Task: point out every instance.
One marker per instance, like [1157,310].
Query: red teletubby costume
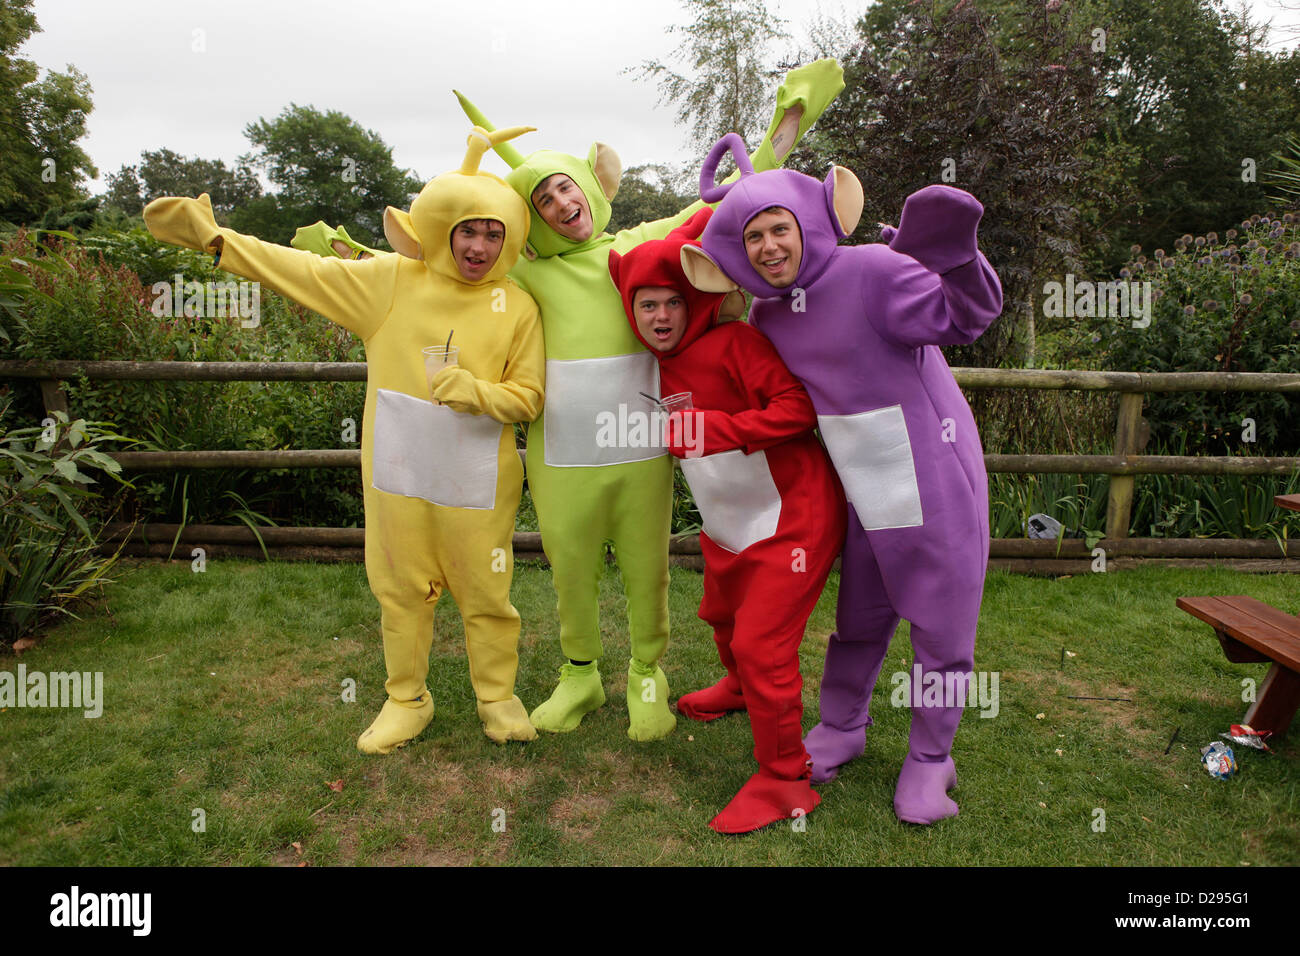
[773,513]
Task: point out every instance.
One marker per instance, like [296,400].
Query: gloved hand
[456,388]
[685,433]
[183,222]
[938,228]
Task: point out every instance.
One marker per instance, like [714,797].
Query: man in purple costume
[860,326]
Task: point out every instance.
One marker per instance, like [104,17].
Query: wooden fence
[1035,556]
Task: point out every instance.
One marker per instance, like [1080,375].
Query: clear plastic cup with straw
[674,404]
[437,358]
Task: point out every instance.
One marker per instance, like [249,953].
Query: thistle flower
[1246,298]
[1189,310]
[1211,237]
[1134,249]
[1124,273]
[1289,218]
[1200,241]
[1168,262]
[1231,234]
[1209,305]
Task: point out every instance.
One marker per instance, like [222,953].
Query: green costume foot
[647,702]
[577,695]
[398,723]
[506,720]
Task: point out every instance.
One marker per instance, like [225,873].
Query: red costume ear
[614,260]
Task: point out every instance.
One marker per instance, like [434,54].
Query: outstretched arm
[932,285]
[356,295]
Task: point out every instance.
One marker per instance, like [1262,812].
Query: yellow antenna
[480,141]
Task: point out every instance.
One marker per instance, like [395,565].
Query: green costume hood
[597,176]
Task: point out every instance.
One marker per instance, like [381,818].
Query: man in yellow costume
[441,477]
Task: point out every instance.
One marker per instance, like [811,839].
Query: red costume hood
[658,263]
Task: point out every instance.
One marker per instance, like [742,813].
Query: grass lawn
[223,693]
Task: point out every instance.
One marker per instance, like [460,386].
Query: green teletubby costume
[585,492]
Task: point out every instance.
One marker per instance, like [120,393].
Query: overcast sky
[190,75]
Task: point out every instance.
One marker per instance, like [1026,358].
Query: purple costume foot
[830,749]
[922,794]
[861,327]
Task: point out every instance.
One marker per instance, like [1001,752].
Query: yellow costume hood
[450,199]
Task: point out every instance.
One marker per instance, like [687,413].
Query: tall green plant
[48,548]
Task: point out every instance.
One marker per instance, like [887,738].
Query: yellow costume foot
[506,720]
[398,723]
[647,702]
[577,695]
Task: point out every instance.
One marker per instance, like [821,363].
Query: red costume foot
[922,794]
[710,703]
[765,800]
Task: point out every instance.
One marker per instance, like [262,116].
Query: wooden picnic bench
[1251,631]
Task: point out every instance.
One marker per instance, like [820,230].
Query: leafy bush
[48,556]
[1229,305]
[100,309]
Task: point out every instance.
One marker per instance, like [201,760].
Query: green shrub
[48,556]
[1229,305]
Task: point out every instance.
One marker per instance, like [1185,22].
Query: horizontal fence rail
[1122,466]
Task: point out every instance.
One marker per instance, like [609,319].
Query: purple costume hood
[813,204]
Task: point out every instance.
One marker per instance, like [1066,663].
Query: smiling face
[475,245]
[563,207]
[774,246]
[660,316]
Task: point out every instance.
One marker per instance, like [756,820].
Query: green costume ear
[606,167]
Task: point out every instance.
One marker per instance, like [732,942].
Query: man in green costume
[588,490]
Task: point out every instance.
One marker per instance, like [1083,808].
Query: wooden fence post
[1119,504]
[53,396]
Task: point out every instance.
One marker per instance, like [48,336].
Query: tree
[41,164]
[165,173]
[324,166]
[729,89]
[931,97]
[648,192]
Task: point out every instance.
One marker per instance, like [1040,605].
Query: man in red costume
[772,506]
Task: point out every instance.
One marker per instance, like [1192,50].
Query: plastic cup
[674,405]
[437,358]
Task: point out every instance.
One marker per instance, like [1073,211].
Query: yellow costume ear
[607,167]
[703,273]
[848,199]
[401,234]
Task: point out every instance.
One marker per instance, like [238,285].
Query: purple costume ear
[711,192]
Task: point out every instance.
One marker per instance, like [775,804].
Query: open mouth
[663,332]
[775,266]
[572,218]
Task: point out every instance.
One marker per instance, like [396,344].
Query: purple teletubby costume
[860,328]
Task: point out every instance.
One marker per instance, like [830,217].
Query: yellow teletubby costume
[441,478]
